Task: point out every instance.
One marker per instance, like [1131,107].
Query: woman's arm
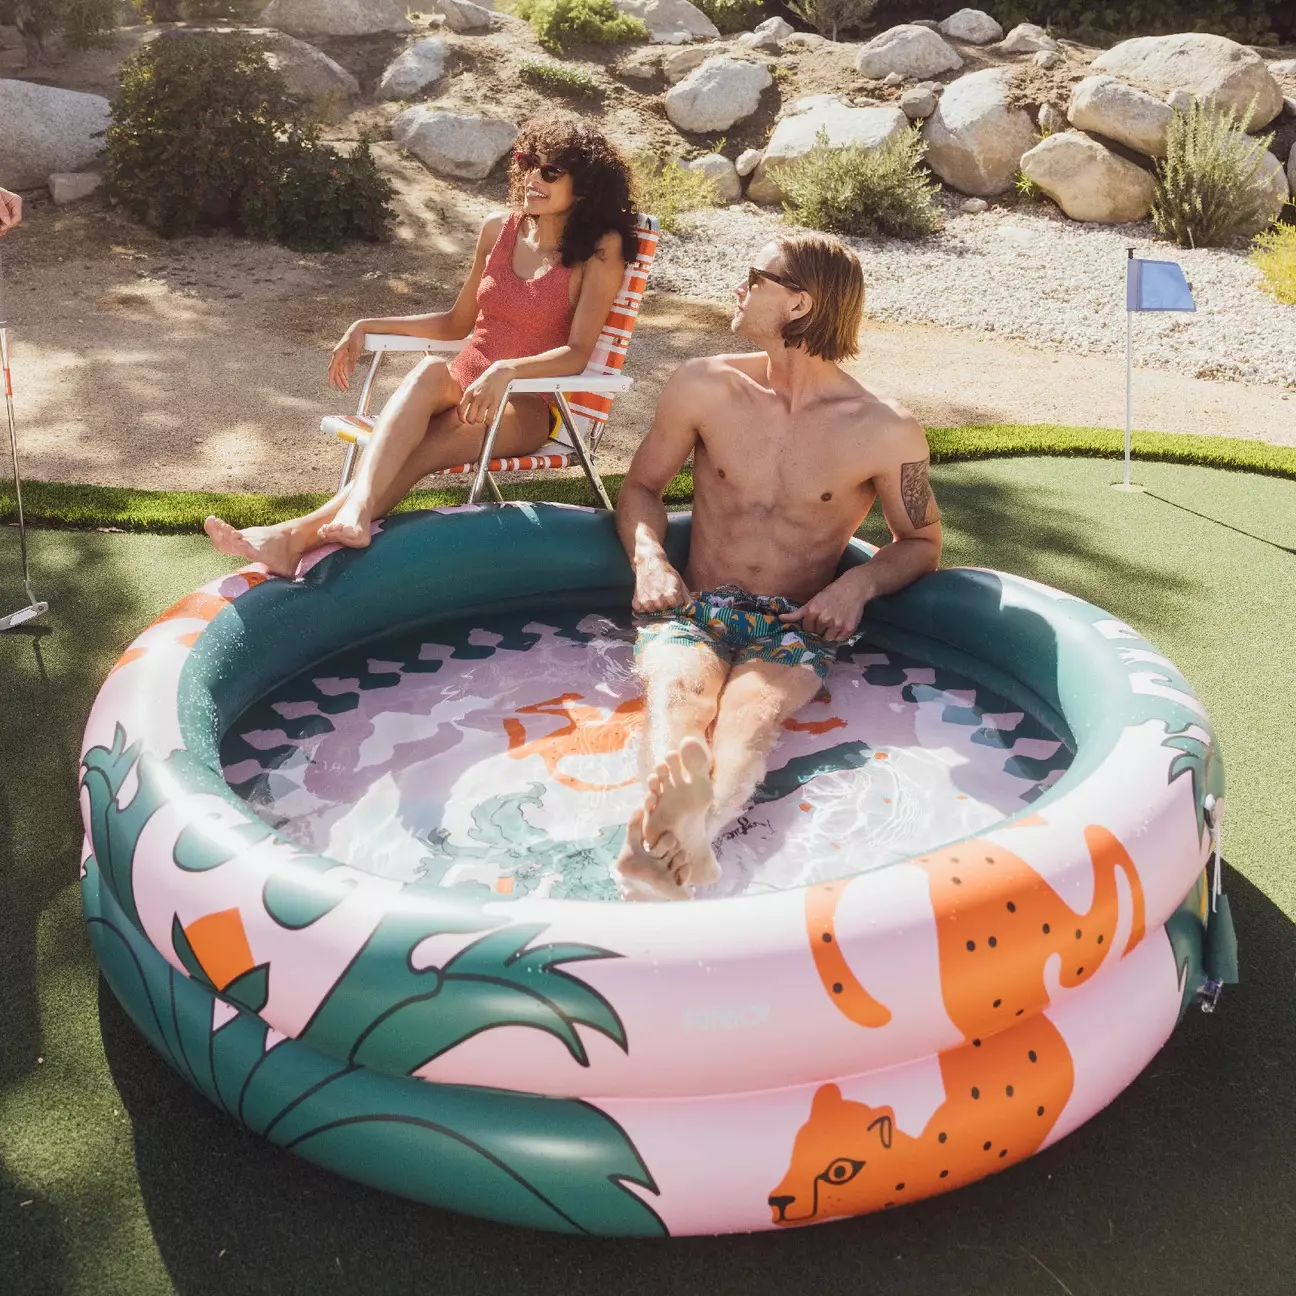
[10,211]
[604,272]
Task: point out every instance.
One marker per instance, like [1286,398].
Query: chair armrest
[596,383]
[399,342]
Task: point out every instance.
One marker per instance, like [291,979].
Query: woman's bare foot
[678,802]
[645,875]
[349,526]
[274,546]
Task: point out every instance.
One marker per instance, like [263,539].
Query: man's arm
[909,507]
[640,512]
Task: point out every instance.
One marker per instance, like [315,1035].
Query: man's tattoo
[915,489]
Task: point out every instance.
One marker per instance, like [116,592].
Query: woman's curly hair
[602,183]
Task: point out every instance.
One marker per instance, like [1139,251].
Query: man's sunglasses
[755,274]
[549,172]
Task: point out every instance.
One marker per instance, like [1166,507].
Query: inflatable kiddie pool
[347,864]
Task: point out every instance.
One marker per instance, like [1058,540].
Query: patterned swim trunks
[739,627]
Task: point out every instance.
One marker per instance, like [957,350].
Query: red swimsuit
[515,317]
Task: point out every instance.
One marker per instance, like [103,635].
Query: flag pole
[1127,485]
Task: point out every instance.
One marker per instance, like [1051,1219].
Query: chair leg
[582,452]
[493,486]
[488,447]
[348,464]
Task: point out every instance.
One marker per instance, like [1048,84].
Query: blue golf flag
[1157,286]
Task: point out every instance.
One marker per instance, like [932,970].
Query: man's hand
[482,398]
[345,355]
[10,211]
[834,613]
[658,587]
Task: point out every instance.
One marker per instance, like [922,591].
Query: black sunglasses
[549,171]
[755,274]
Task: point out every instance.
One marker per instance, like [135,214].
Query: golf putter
[34,607]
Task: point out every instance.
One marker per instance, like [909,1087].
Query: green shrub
[199,10]
[732,16]
[203,135]
[1206,193]
[1274,252]
[83,24]
[558,78]
[864,192]
[828,17]
[665,189]
[559,23]
[1026,189]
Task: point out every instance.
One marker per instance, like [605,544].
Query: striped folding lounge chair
[583,401]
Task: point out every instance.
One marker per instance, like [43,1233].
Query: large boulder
[1211,68]
[1291,169]
[722,173]
[973,26]
[308,72]
[796,135]
[1089,182]
[1128,116]
[1027,38]
[1284,68]
[975,140]
[769,35]
[455,144]
[415,69]
[908,51]
[717,94]
[1272,181]
[463,15]
[336,17]
[43,130]
[679,63]
[670,22]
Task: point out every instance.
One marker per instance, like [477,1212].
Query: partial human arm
[600,283]
[640,511]
[909,507]
[10,211]
[444,326]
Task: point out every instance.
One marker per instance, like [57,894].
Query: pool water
[504,756]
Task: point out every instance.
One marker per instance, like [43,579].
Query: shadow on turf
[1185,1179]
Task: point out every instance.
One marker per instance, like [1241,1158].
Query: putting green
[116,1177]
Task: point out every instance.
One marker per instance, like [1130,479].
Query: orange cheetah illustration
[589,731]
[998,923]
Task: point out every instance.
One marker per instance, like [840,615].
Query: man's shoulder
[715,372]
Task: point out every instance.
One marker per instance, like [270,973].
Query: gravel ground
[1027,274]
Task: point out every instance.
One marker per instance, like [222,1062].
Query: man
[10,211]
[789,453]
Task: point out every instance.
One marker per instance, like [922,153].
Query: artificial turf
[116,1177]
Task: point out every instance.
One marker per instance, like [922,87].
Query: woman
[540,288]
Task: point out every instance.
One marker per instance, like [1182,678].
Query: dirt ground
[200,363]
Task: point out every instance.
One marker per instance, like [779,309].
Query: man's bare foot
[678,801]
[350,527]
[642,874]
[274,546]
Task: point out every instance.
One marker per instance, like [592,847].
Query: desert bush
[732,16]
[1026,190]
[863,192]
[559,78]
[203,134]
[665,189]
[560,23]
[82,24]
[1206,192]
[199,10]
[828,17]
[1274,252]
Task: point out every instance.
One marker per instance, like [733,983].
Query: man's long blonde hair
[831,273]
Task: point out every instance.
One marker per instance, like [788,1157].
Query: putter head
[23,615]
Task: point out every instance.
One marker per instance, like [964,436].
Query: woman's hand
[482,398]
[10,211]
[345,355]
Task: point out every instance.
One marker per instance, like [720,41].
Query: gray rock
[722,173]
[643,64]
[463,15]
[1272,181]
[308,72]
[768,35]
[1180,100]
[1209,67]
[806,40]
[892,79]
[974,206]
[1027,38]
[1130,117]
[974,139]
[336,17]
[1046,59]
[44,130]
[455,144]
[717,94]
[796,135]
[417,68]
[1289,106]
[1088,181]
[670,22]
[1284,68]
[679,63]
[909,51]
[748,161]
[1051,120]
[1291,167]
[918,102]
[69,186]
[972,26]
